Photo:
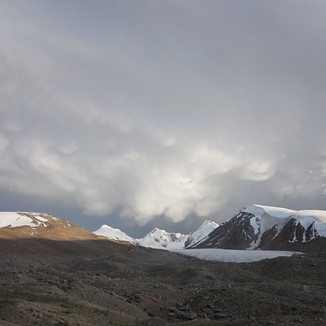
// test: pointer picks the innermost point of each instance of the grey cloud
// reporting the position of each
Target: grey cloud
(172, 109)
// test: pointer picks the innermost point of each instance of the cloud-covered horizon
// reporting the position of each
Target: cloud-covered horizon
(163, 108)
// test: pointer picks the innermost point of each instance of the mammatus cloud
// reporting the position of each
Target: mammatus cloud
(124, 111)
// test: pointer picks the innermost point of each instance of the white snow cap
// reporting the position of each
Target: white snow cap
(113, 234)
(280, 212)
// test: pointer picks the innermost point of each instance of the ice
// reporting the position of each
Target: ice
(234, 256)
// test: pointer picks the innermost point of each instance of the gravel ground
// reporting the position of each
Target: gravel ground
(98, 282)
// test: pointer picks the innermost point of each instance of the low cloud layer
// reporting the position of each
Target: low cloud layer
(163, 108)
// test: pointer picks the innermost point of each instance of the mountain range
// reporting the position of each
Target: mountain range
(253, 227)
(265, 227)
(161, 239)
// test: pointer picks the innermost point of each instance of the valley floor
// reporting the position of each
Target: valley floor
(99, 282)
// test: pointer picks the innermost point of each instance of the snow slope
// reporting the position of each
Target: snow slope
(14, 219)
(234, 256)
(113, 234)
(201, 234)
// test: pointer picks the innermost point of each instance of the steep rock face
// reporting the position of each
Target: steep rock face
(264, 227)
(235, 234)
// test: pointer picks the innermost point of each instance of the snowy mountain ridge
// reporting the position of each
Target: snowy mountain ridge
(161, 239)
(266, 227)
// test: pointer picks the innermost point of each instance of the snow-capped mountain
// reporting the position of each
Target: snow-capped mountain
(40, 225)
(201, 234)
(160, 239)
(113, 234)
(157, 238)
(265, 227)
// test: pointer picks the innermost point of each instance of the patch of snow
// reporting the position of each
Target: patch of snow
(254, 222)
(234, 256)
(40, 218)
(13, 219)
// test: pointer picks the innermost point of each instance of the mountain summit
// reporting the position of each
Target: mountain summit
(161, 239)
(113, 234)
(201, 234)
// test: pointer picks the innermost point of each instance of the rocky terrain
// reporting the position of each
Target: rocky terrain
(99, 282)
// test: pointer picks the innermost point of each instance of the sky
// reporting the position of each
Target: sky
(152, 113)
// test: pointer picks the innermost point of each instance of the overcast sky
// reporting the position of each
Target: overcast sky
(144, 113)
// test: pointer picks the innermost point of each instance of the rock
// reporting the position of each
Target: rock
(157, 321)
(210, 277)
(190, 315)
(220, 316)
(180, 314)
(184, 308)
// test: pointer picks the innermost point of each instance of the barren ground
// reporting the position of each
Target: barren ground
(98, 282)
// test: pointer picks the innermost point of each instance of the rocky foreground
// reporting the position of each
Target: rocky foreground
(99, 282)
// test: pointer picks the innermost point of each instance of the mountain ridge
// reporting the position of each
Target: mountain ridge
(267, 227)
(160, 239)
